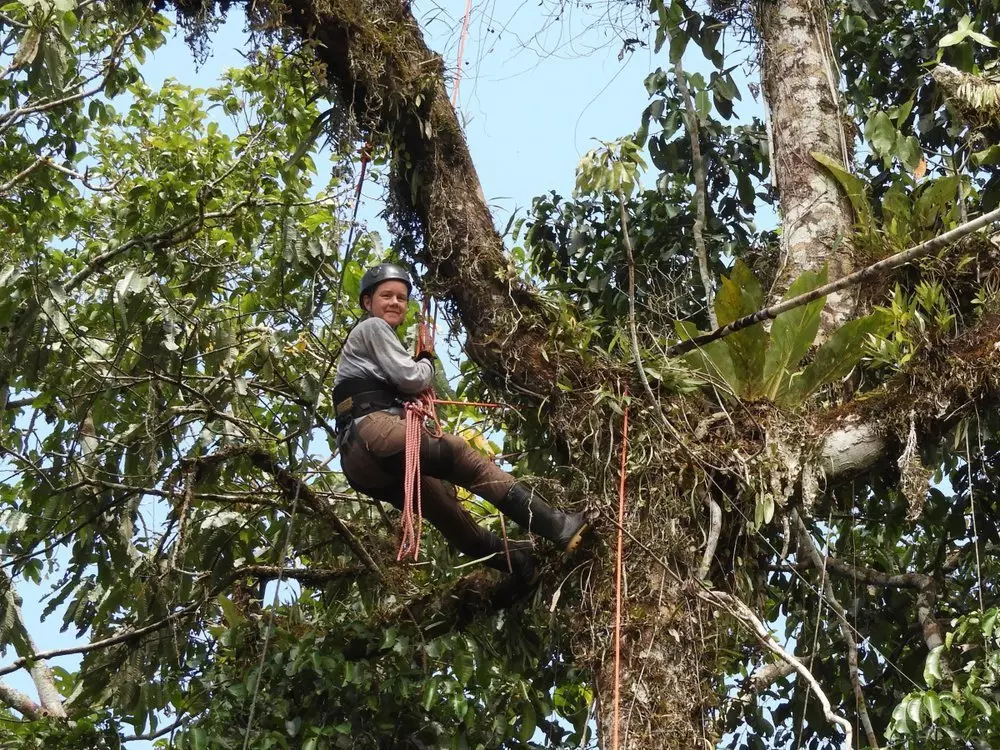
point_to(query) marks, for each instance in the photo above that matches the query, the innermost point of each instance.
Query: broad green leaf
(984, 708)
(988, 157)
(714, 360)
(792, 333)
(732, 302)
(528, 722)
(932, 704)
(909, 152)
(463, 666)
(990, 622)
(882, 133)
(230, 612)
(837, 356)
(853, 186)
(937, 199)
(746, 347)
(744, 278)
(953, 38)
(932, 667)
(430, 692)
(913, 711)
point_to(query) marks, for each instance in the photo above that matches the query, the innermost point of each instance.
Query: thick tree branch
(940, 385)
(293, 486)
(20, 702)
(767, 675)
(378, 62)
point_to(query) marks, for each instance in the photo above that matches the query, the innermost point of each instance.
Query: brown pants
(373, 459)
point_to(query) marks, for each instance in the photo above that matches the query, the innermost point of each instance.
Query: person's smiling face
(388, 302)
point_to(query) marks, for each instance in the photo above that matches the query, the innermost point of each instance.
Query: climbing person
(375, 376)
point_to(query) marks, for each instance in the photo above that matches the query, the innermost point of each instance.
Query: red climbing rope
(417, 411)
(413, 517)
(618, 579)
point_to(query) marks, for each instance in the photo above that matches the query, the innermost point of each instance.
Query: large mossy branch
(376, 60)
(938, 388)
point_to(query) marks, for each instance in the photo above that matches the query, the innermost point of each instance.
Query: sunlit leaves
(757, 363)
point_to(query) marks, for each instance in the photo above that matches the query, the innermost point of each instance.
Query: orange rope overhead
(618, 580)
(461, 52)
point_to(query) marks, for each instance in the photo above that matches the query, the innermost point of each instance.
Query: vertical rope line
(975, 530)
(461, 53)
(618, 581)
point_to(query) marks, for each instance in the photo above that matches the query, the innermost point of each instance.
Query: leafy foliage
(758, 363)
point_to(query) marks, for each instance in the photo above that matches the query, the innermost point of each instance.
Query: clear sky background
(537, 89)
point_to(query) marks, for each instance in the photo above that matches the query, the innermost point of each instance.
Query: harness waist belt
(356, 397)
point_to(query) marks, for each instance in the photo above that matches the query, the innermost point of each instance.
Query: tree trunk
(799, 77)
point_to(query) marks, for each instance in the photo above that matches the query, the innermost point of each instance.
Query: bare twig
(701, 212)
(633, 335)
(806, 543)
(714, 529)
(887, 264)
(742, 612)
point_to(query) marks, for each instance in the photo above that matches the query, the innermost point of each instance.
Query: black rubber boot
(531, 512)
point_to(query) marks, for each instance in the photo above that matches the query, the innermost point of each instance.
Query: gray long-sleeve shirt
(372, 350)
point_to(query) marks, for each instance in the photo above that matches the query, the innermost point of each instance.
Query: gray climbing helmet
(383, 272)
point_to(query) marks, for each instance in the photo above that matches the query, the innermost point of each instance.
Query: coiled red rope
(417, 411)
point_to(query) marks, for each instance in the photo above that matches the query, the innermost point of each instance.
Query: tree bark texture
(799, 77)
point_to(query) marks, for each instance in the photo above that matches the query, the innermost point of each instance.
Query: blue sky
(536, 91)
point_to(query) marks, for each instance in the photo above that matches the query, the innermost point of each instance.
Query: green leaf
(990, 622)
(838, 355)
(964, 26)
(230, 612)
(988, 157)
(463, 666)
(913, 711)
(853, 186)
(984, 708)
(713, 360)
(528, 722)
(880, 131)
(737, 297)
(792, 333)
(909, 152)
(932, 667)
(430, 693)
(932, 704)
(953, 38)
(744, 278)
(936, 199)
